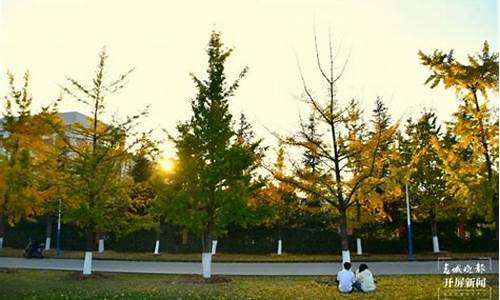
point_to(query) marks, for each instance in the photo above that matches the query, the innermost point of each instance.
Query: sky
(165, 41)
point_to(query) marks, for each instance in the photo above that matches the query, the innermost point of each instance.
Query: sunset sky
(165, 41)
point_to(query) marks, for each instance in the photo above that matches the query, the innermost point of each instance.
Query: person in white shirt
(364, 279)
(345, 278)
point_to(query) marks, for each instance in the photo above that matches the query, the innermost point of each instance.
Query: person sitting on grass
(364, 279)
(345, 279)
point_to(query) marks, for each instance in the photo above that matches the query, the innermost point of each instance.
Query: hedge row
(261, 240)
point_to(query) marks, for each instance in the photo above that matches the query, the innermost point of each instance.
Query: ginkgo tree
(97, 154)
(432, 198)
(148, 181)
(371, 199)
(214, 178)
(281, 198)
(53, 181)
(474, 125)
(340, 178)
(21, 153)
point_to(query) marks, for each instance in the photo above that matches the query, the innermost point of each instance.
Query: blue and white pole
(408, 224)
(58, 237)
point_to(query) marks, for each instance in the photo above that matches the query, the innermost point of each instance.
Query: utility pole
(408, 224)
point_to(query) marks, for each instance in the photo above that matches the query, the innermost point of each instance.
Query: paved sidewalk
(378, 268)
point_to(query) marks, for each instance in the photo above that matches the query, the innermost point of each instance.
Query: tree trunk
(184, 237)
(158, 233)
(89, 247)
(2, 230)
(401, 231)
(214, 246)
(359, 248)
(280, 243)
(207, 241)
(90, 239)
(48, 237)
(206, 256)
(157, 244)
(100, 245)
(435, 238)
(495, 209)
(487, 160)
(346, 256)
(461, 227)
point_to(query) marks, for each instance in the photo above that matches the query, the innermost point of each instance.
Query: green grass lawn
(227, 257)
(25, 284)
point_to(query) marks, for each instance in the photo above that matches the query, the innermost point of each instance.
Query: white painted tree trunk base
(206, 260)
(435, 244)
(346, 256)
(87, 263)
(1, 242)
(280, 248)
(157, 248)
(47, 243)
(101, 246)
(359, 248)
(214, 247)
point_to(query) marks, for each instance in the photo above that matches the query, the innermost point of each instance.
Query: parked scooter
(34, 249)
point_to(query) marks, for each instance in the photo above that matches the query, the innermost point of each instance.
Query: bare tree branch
(318, 59)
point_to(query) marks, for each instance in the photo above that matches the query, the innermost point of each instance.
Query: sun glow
(166, 164)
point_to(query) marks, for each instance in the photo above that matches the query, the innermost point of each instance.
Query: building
(70, 118)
